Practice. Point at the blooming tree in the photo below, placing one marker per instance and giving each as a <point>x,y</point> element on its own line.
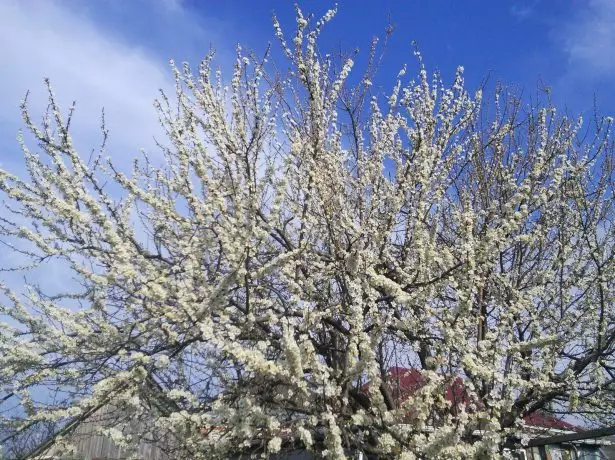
<point>302,236</point>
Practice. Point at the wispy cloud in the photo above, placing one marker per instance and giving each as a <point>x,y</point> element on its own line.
<point>94,62</point>
<point>523,9</point>
<point>86,62</point>
<point>588,39</point>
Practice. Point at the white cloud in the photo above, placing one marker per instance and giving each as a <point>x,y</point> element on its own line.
<point>523,10</point>
<point>86,61</point>
<point>588,40</point>
<point>92,66</point>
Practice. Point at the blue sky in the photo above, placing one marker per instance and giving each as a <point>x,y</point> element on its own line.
<point>114,53</point>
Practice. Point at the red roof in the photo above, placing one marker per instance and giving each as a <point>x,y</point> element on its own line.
<point>405,382</point>
<point>541,420</point>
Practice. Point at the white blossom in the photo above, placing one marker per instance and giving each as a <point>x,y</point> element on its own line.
<point>302,240</point>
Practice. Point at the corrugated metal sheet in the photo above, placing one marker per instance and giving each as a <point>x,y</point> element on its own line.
<point>91,445</point>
